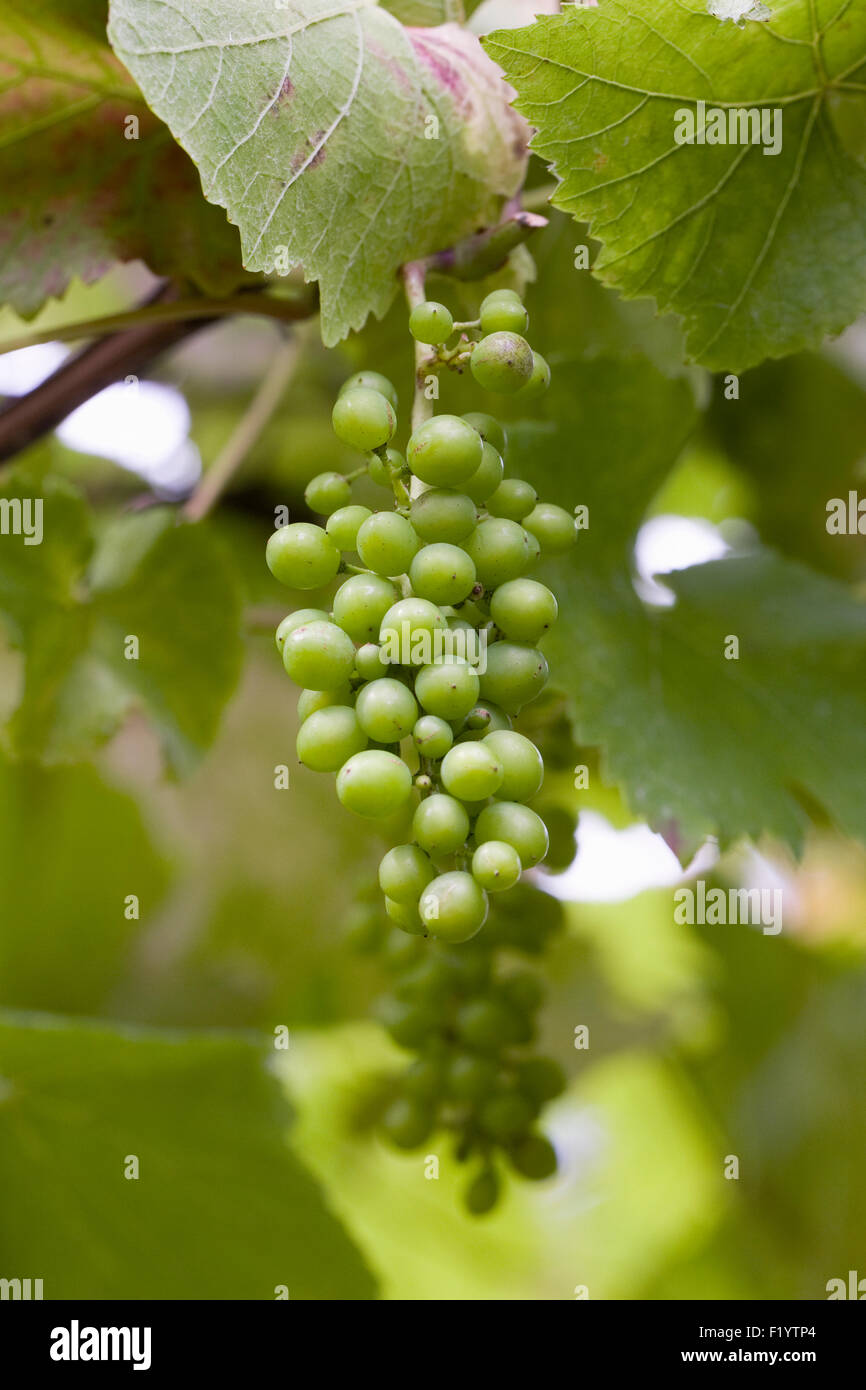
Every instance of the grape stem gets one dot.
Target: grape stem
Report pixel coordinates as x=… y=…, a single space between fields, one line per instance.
x=414 y=275
x=254 y=420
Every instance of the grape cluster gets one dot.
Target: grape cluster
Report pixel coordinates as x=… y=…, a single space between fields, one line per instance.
x=412 y=680
x=470 y=1021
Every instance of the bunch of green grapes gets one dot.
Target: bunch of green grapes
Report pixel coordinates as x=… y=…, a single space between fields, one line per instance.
x=412 y=679
x=469 y=1018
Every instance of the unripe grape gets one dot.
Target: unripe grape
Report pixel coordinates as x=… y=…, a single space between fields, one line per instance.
x=405 y=916
x=442 y=573
x=495 y=295
x=453 y=907
x=425 y=1079
x=361 y=603
x=471 y=772
x=382 y=470
x=504 y=316
x=522 y=764
x=538 y=381
x=499 y=551
x=561 y=824
x=482 y=1194
x=553 y=528
x=514 y=499
x=534 y=1157
x=444 y=451
x=368 y=662
x=327 y=492
x=344 y=524
x=318 y=655
x=506 y=1116
x=297 y=619
x=484 y=718
x=404 y=873
x=501 y=362
x=470 y=1077
x=372 y=381
x=431 y=323
x=523 y=609
x=440 y=514
x=517 y=825
x=329 y=737
x=487 y=476
x=311 y=700
x=363 y=419
x=496 y=866
x=433 y=737
x=386 y=710
x=515 y=675
x=386 y=543
x=440 y=825
x=523 y=991
x=534 y=550
x=364 y=930
x=374 y=783
x=407 y=1123
x=485 y=1024
x=492 y=431
x=541 y=1079
x=447 y=689
x=408 y=629
x=302 y=556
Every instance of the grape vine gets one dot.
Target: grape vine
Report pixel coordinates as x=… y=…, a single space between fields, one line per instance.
x=411 y=683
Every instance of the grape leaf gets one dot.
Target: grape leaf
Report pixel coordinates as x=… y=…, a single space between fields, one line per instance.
x=761 y=254
x=407 y=144
x=220 y=1207
x=169 y=587
x=76 y=194
x=700 y=744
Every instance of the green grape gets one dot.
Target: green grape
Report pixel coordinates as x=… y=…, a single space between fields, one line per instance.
x=406 y=916
x=470 y=1077
x=471 y=772
x=382 y=470
x=447 y=689
x=410 y=1024
x=440 y=514
x=407 y=1123
x=329 y=737
x=400 y=950
x=561 y=824
x=311 y=700
x=515 y=824
x=302 y=556
x=541 y=1079
x=408 y=631
x=364 y=931
x=485 y=1024
x=372 y=381
x=386 y=543
x=442 y=573
x=368 y=662
x=501 y=362
x=513 y=499
x=534 y=550
x=515 y=675
x=374 y=783
x=523 y=609
x=504 y=316
x=496 y=295
x=522 y=764
x=318 y=655
x=424 y=1080
x=386 y=710
x=538 y=381
x=297 y=619
x=444 y=451
x=553 y=528
x=431 y=323
x=433 y=737
x=490 y=429
x=506 y=1116
x=363 y=419
x=344 y=524
x=327 y=492
x=496 y=866
x=482 y=1194
x=484 y=719
x=499 y=551
x=440 y=825
x=361 y=603
x=523 y=991
x=487 y=476
x=534 y=1157
x=432 y=981
x=453 y=907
